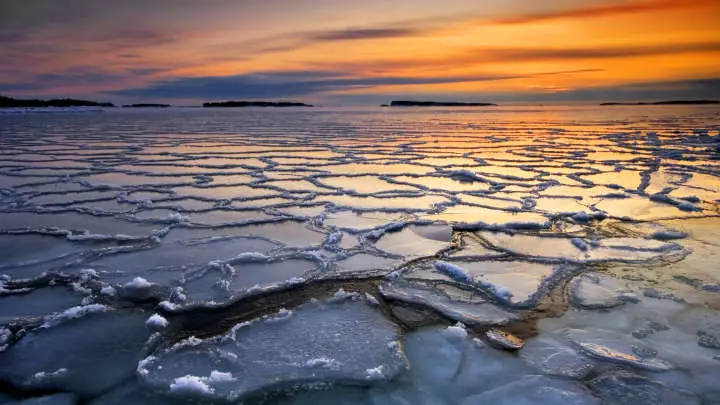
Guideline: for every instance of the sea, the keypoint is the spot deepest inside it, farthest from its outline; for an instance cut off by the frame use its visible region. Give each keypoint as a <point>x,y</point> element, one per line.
<point>364,255</point>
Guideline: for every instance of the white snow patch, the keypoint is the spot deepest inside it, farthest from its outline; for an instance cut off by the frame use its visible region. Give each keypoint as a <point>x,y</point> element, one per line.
<point>78,288</point>
<point>219,376</point>
<point>156,322</point>
<point>375,373</point>
<point>74,313</point>
<point>341,294</point>
<point>323,362</point>
<point>454,271</point>
<point>251,257</point>
<point>668,235</point>
<point>5,335</point>
<point>191,384</point>
<point>389,228</point>
<point>458,330</point>
<point>580,244</point>
<point>175,218</point>
<point>168,306</point>
<point>502,293</point>
<point>138,282</point>
<point>282,315</point>
<point>87,274</point>
<point>42,375</point>
<point>108,291</point>
<point>142,365</point>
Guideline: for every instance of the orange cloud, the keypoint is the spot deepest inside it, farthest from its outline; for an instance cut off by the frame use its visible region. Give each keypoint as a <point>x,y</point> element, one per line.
<point>605,10</point>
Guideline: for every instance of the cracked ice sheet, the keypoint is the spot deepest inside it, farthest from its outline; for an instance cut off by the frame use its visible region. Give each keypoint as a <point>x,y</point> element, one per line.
<point>419,202</point>
<point>582,250</point>
<point>94,224</point>
<point>511,282</point>
<point>416,241</point>
<point>216,286</point>
<point>537,147</point>
<point>641,208</point>
<point>464,215</point>
<point>361,221</point>
<point>172,261</point>
<point>470,310</point>
<point>290,233</point>
<point>344,340</point>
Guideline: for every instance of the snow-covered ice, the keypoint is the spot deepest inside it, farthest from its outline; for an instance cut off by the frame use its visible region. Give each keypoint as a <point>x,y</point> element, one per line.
<point>342,340</point>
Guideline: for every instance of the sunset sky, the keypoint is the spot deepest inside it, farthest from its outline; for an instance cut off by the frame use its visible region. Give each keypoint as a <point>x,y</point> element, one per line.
<point>336,52</point>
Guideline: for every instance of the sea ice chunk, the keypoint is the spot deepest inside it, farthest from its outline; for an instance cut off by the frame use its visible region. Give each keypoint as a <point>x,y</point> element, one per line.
<point>512,282</point>
<point>116,337</point>
<point>478,312</point>
<point>350,334</point>
<point>411,243</point>
<point>617,348</point>
<point>156,322</point>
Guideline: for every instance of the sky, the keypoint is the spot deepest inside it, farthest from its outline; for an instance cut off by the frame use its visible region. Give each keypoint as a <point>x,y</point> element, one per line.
<point>336,52</point>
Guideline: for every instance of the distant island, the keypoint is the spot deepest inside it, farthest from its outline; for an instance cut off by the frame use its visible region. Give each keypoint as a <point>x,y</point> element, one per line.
<point>9,102</point>
<point>146,105</point>
<point>255,104</point>
<point>670,102</point>
<point>407,103</point>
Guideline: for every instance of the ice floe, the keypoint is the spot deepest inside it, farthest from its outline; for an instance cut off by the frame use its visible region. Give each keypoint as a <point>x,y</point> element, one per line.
<point>343,341</point>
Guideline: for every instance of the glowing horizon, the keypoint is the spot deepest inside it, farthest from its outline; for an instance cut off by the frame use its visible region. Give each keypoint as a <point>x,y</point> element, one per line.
<point>330,52</point>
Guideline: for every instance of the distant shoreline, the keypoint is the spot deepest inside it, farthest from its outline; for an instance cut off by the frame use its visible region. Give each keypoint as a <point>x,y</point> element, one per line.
<point>9,102</point>
<point>240,104</point>
<point>410,103</point>
<point>669,102</point>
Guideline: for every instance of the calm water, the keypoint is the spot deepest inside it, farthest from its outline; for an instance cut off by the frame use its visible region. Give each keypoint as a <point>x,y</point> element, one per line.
<point>361,255</point>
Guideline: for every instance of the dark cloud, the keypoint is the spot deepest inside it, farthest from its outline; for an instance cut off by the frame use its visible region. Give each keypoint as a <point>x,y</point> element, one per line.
<point>352,34</point>
<point>14,87</point>
<point>279,85</point>
<point>77,76</point>
<point>296,40</point>
<point>144,71</point>
<point>652,91</point>
<point>683,89</point>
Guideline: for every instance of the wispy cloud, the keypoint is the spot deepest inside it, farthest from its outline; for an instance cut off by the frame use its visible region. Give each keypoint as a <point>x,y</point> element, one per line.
<point>352,34</point>
<point>282,84</point>
<point>603,10</point>
<point>477,56</point>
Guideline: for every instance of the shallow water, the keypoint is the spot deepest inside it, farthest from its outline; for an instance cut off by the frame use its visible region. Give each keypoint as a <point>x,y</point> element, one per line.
<point>361,255</point>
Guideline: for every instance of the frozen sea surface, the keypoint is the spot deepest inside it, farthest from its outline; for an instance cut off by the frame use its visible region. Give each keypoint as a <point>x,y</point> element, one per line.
<point>534,255</point>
